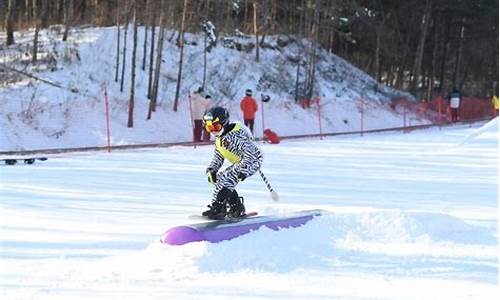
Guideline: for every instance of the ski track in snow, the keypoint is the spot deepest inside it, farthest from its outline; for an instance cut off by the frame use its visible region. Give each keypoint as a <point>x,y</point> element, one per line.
<point>410,216</point>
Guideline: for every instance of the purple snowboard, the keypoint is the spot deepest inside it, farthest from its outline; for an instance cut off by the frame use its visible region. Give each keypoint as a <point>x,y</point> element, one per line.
<point>216,231</point>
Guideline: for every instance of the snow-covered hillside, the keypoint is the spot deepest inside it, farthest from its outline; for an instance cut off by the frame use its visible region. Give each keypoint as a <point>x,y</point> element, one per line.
<point>36,115</point>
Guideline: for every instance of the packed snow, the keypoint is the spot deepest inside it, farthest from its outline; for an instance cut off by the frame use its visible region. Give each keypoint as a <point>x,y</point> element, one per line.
<point>409,216</point>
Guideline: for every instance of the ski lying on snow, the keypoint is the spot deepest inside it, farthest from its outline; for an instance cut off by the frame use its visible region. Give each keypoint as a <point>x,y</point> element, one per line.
<point>26,160</point>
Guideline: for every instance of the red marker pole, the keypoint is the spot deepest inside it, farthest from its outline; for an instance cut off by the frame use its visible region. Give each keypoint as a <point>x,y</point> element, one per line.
<point>263,128</point>
<point>191,117</point>
<point>108,130</point>
<point>319,118</point>
<point>404,118</point>
<point>440,111</point>
<point>362,113</point>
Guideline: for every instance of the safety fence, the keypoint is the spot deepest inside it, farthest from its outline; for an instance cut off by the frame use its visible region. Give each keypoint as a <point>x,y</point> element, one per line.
<point>437,112</point>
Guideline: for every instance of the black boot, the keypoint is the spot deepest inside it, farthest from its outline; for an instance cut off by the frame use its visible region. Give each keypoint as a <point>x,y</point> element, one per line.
<point>236,206</point>
<point>216,211</point>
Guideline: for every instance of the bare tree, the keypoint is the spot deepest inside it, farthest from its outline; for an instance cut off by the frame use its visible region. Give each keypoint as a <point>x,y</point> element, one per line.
<point>458,58</point>
<point>417,66</point>
<point>255,30</point>
<point>181,45</point>
<point>205,29</point>
<point>130,122</point>
<point>117,68</point>
<point>124,65</point>
<point>44,16</point>
<point>9,22</point>
<point>67,4</point>
<point>145,35</point>
<point>159,49</point>
<point>37,29</point>
<point>152,47</point>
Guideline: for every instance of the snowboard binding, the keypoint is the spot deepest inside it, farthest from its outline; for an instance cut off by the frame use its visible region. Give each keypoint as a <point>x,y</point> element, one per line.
<point>227,205</point>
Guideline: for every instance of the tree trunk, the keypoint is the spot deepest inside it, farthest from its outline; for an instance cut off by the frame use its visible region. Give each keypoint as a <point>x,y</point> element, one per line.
<point>28,13</point>
<point>204,60</point>
<point>458,59</point>
<point>117,68</point>
<point>376,66</point>
<point>297,80</point>
<point>130,122</point>
<point>67,18</point>
<point>314,45</point>
<point>145,36</point>
<point>255,31</point>
<point>37,29</point>
<point>44,16</point>
<point>9,22</point>
<point>205,45</point>
<point>159,49</point>
<point>432,74</point>
<point>60,10</point>
<point>444,55</point>
<point>124,64</point>
<point>152,49</point>
<point>417,66</point>
<point>179,75</point>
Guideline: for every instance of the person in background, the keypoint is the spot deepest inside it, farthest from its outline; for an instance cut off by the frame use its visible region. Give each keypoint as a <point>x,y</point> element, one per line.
<point>455,99</point>
<point>249,107</point>
<point>494,102</point>
<point>199,105</point>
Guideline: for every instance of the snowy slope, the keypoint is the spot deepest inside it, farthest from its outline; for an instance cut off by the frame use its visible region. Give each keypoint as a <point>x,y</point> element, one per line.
<point>411,216</point>
<point>40,116</point>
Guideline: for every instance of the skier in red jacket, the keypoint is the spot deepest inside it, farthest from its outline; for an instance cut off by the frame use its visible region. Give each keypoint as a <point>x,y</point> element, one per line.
<point>249,107</point>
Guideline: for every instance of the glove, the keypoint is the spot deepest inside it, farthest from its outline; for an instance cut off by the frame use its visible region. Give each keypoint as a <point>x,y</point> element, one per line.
<point>241,176</point>
<point>212,176</point>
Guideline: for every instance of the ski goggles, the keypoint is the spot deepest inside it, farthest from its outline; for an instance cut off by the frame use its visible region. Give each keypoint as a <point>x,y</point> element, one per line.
<point>212,125</point>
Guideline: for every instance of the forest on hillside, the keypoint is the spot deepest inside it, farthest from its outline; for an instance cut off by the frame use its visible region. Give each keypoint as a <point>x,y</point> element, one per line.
<point>426,47</point>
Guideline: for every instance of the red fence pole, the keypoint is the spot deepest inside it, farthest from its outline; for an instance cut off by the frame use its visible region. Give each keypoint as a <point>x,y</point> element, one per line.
<point>108,130</point>
<point>440,111</point>
<point>263,125</point>
<point>362,113</point>
<point>192,120</point>
<point>319,118</point>
<point>404,117</point>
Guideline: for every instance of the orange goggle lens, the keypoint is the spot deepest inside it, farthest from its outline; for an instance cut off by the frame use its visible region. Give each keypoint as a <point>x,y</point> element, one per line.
<point>213,127</point>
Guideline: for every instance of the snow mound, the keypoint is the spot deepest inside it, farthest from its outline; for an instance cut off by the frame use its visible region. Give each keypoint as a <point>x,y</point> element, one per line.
<point>372,241</point>
<point>488,133</point>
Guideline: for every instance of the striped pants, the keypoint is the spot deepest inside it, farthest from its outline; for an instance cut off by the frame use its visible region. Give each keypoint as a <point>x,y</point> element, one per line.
<point>229,178</point>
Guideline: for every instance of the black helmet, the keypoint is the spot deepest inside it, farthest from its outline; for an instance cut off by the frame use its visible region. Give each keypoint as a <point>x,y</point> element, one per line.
<point>248,92</point>
<point>217,114</point>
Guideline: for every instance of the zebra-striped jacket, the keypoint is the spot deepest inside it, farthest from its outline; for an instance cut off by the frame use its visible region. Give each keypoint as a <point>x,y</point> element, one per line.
<point>236,145</point>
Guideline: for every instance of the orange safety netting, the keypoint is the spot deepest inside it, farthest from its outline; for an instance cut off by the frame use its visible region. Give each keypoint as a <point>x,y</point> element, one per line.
<point>438,110</point>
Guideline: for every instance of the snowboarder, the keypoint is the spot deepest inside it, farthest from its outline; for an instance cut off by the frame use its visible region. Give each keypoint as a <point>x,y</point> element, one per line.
<point>234,143</point>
